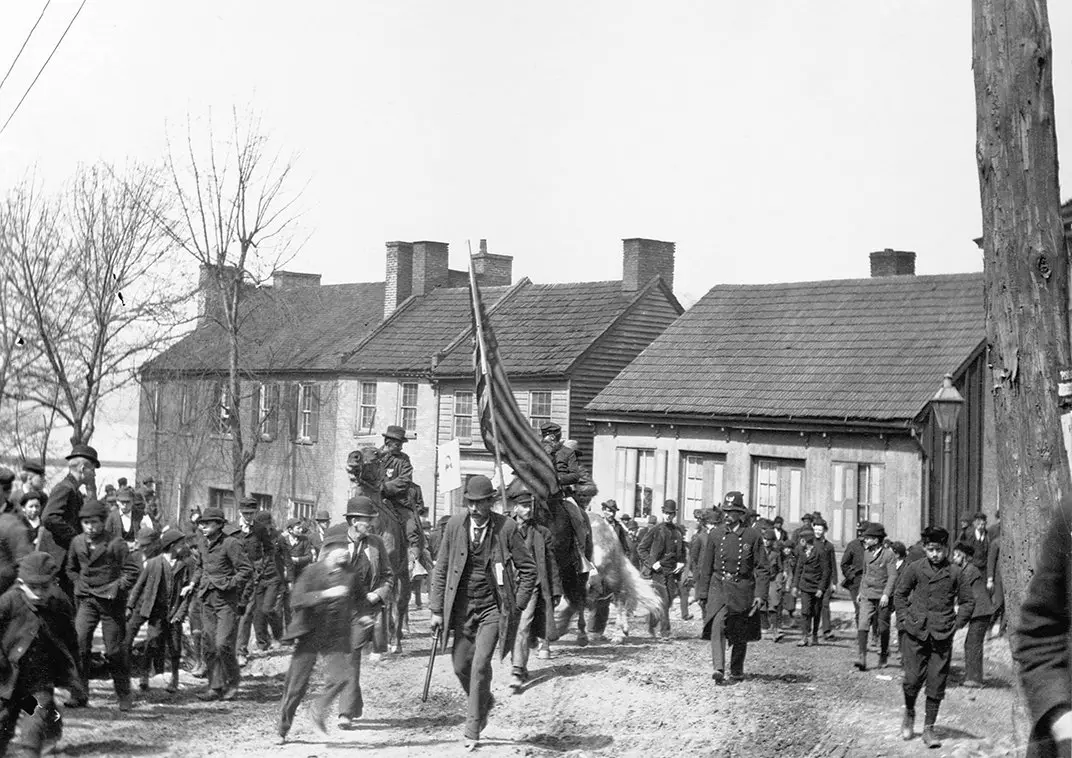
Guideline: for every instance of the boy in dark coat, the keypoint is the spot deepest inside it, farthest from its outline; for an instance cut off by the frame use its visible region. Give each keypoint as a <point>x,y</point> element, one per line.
<point>157,598</point>
<point>538,616</point>
<point>38,652</point>
<point>102,571</point>
<point>811,577</point>
<point>927,592</point>
<point>875,591</point>
<point>980,618</point>
<point>778,582</point>
<point>321,603</point>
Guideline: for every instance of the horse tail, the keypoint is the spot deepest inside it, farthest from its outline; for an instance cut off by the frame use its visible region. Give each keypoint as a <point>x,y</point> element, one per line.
<point>637,592</point>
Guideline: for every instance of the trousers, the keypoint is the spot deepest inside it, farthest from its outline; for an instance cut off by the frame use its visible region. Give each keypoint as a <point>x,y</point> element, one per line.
<point>666,589</point>
<point>219,619</point>
<point>340,668</point>
<point>718,647</point>
<point>520,654</point>
<point>926,661</point>
<point>475,636</point>
<point>973,648</point>
<point>111,615</point>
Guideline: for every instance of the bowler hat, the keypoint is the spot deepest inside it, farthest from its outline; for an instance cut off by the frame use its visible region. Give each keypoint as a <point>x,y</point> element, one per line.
<point>610,505</point>
<point>806,517</point>
<point>147,535</point>
<point>549,427</point>
<point>935,534</point>
<point>213,514</point>
<point>670,506</point>
<point>248,505</point>
<point>322,516</point>
<point>395,433</point>
<point>93,509</point>
<point>126,494</point>
<point>336,535</point>
<point>7,477</point>
<point>38,568</point>
<point>479,487</point>
<point>34,467</point>
<point>87,452</point>
<point>170,537</point>
<point>875,530</point>
<point>360,505</point>
<point>734,502</point>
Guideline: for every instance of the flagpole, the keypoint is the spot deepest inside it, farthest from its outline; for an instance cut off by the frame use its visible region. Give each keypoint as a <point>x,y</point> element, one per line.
<point>477,312</point>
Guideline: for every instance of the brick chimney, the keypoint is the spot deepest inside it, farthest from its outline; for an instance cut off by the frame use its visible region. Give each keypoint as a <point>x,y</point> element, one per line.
<point>643,260</point>
<point>399,283</point>
<point>893,263</point>
<point>493,270</point>
<point>288,281</point>
<point>210,291</point>
<point>429,266</point>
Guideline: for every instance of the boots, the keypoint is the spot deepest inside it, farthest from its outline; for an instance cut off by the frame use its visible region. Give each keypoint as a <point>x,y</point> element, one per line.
<point>907,724</point>
<point>805,622</point>
<point>930,739</point>
<point>861,655</point>
<point>199,670</point>
<point>173,685</point>
<point>883,649</point>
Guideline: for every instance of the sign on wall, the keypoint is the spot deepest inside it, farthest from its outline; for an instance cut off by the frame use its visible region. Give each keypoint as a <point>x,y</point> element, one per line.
<point>448,464</point>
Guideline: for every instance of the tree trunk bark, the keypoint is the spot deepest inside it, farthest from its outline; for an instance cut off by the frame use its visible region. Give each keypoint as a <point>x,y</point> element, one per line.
<point>1026,277</point>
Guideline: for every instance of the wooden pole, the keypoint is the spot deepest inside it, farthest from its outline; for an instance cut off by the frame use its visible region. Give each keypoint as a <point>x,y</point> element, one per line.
<point>487,378</point>
<point>1026,278</point>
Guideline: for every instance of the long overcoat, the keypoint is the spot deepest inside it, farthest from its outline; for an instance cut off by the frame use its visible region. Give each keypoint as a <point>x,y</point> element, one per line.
<point>548,582</point>
<point>60,519</point>
<point>733,573</point>
<point>512,569</point>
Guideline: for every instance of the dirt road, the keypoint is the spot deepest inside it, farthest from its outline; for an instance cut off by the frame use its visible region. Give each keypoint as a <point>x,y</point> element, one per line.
<point>639,698</point>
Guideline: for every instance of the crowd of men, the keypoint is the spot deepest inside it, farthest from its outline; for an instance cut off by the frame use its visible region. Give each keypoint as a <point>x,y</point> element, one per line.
<point>72,561</point>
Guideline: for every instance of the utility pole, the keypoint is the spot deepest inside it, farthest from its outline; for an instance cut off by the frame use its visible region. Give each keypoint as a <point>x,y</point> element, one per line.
<point>1026,275</point>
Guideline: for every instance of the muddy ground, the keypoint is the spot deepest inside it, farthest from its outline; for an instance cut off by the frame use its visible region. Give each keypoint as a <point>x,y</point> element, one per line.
<point>641,697</point>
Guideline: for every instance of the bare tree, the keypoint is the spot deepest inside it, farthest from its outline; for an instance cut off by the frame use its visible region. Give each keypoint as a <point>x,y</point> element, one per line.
<point>1026,275</point>
<point>235,215</point>
<point>97,276</point>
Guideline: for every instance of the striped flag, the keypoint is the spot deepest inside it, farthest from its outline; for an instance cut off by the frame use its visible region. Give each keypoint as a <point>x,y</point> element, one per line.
<point>510,436</point>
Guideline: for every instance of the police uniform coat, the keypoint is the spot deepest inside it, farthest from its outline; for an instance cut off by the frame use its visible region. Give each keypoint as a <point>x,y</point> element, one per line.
<point>512,565</point>
<point>733,573</point>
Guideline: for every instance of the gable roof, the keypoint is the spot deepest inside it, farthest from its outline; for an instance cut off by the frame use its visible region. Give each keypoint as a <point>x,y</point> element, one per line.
<point>301,329</point>
<point>542,329</point>
<point>851,349</point>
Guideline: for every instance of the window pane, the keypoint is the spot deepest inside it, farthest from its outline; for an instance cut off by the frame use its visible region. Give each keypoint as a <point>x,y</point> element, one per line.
<point>368,393</point>
<point>645,481</point>
<point>409,419</point>
<point>409,395</point>
<point>540,404</point>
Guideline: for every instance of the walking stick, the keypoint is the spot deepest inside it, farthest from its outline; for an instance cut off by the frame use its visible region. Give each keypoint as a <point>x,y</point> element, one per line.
<point>431,663</point>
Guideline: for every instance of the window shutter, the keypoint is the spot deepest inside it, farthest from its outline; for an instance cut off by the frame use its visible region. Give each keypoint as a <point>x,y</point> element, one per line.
<point>271,424</point>
<point>292,411</point>
<point>314,412</point>
<point>255,410</point>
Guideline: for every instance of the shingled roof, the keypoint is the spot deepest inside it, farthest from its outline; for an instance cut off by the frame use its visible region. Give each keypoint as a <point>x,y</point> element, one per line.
<point>301,329</point>
<point>542,329</point>
<point>853,349</point>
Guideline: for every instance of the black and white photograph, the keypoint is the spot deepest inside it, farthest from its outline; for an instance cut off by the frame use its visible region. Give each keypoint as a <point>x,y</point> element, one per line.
<point>567,379</point>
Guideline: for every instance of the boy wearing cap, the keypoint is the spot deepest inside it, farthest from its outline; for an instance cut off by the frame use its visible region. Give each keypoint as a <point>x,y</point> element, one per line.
<point>827,551</point>
<point>38,652</point>
<point>927,593</point>
<point>662,556</point>
<point>221,579</point>
<point>877,583</point>
<point>852,565</point>
<point>811,577</point>
<point>963,552</point>
<point>101,571</point>
<point>734,580</point>
<point>485,574</point>
<point>779,581</point>
<point>157,598</point>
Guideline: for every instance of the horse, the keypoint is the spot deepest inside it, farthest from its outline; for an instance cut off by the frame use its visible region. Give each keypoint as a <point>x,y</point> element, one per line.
<point>616,578</point>
<point>364,468</point>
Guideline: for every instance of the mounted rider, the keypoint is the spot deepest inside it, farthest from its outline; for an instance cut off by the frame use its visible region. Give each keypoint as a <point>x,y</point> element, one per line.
<point>396,487</point>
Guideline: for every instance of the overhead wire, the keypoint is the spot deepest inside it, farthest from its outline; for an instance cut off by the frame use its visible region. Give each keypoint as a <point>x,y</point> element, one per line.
<point>43,65</point>
<point>24,43</point>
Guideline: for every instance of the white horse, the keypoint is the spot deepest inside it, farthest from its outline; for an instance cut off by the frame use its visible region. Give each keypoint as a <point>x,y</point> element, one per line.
<point>616,576</point>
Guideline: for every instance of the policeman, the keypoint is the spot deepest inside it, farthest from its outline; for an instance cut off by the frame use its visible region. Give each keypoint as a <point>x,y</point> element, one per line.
<point>734,579</point>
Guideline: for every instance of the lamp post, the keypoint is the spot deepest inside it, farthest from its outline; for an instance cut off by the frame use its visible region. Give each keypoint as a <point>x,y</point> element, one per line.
<point>947,403</point>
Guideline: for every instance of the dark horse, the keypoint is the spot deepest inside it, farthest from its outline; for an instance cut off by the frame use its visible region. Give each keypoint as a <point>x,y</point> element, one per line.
<point>392,524</point>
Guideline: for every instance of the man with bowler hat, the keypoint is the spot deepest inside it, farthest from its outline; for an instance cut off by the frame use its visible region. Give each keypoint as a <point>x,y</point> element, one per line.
<point>734,579</point>
<point>484,576</point>
<point>662,556</point>
<point>221,580</point>
<point>321,522</point>
<point>60,516</point>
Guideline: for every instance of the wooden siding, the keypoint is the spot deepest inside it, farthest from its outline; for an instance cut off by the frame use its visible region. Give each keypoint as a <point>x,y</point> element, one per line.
<point>560,409</point>
<point>968,494</point>
<point>612,352</point>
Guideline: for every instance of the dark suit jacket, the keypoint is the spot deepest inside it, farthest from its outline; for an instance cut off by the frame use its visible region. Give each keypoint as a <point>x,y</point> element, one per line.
<point>926,594</point>
<point>60,518</point>
<point>982,547</point>
<point>328,618</point>
<point>104,569</point>
<point>22,623</point>
<point>510,562</point>
<point>663,544</point>
<point>150,597</point>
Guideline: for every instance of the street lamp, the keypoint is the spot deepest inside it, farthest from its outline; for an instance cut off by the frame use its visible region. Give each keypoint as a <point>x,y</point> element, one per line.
<point>947,403</point>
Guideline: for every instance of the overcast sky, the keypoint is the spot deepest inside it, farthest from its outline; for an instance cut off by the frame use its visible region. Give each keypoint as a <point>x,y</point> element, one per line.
<point>773,141</point>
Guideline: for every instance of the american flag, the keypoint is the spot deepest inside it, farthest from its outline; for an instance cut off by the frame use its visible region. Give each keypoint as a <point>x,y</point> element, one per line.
<point>516,441</point>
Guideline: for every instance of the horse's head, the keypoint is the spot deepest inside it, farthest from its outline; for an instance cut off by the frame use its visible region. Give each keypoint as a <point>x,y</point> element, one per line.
<point>363,466</point>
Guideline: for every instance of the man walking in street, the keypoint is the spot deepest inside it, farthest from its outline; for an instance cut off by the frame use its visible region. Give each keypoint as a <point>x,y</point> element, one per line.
<point>473,595</point>
<point>874,608</point>
<point>59,519</point>
<point>852,565</point>
<point>827,551</point>
<point>811,577</point>
<point>980,617</point>
<point>662,556</point>
<point>735,578</point>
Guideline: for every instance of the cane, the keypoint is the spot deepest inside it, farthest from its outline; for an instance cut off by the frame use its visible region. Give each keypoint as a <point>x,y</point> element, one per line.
<point>431,664</point>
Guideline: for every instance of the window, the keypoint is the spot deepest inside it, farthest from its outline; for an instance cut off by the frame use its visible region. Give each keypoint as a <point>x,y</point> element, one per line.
<point>187,397</point>
<point>264,502</point>
<point>366,408</point>
<point>463,415</point>
<point>539,408</point>
<point>857,496</point>
<point>266,411</point>
<point>304,509</point>
<point>701,481</point>
<point>644,482</point>
<point>308,420</point>
<point>158,405</point>
<point>409,406</point>
<point>868,492</point>
<point>778,488</point>
<point>224,500</point>
<point>221,410</point>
